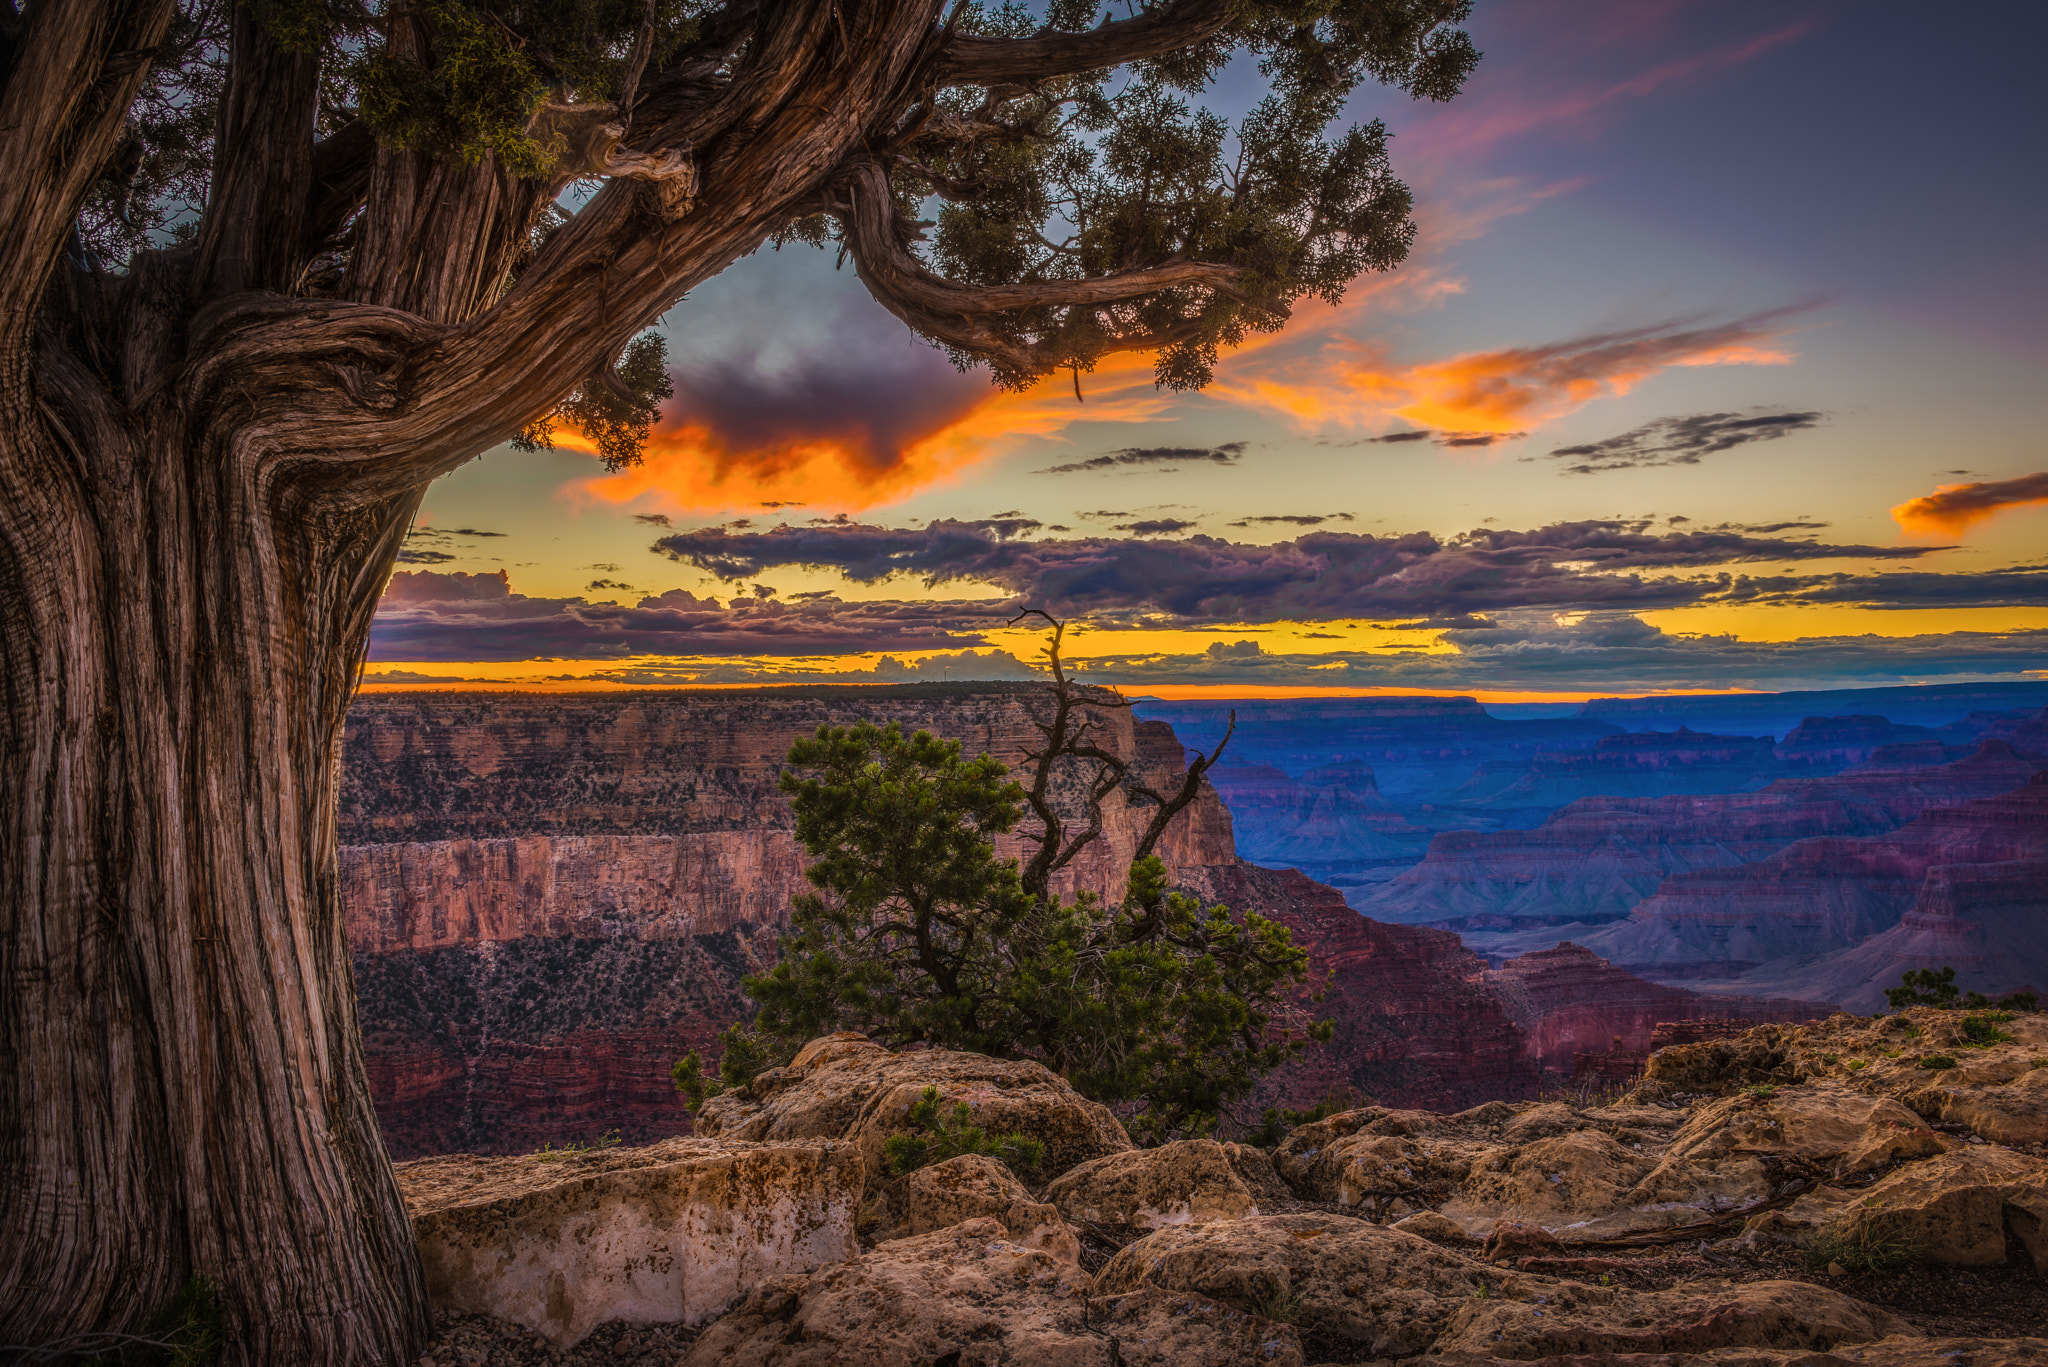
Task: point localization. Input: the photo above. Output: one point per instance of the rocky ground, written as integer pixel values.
(1850, 1193)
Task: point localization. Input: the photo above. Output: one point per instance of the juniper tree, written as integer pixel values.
(918, 932)
(271, 268)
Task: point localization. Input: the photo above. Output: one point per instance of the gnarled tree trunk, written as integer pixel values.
(183, 1088)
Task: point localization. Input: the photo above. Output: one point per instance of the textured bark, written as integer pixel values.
(206, 468)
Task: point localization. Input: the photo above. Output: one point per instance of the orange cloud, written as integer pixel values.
(836, 461)
(1511, 390)
(1953, 509)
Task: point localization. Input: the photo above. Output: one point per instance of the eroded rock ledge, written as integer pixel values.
(1675, 1227)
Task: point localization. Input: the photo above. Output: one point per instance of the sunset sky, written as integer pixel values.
(1719, 363)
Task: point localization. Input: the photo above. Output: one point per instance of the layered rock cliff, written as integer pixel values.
(1594, 860)
(552, 897)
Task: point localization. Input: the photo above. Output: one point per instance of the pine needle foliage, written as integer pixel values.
(917, 932)
(938, 1132)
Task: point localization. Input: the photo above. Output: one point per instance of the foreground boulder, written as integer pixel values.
(674, 1232)
(1958, 1209)
(845, 1086)
(1395, 1295)
(971, 1293)
(972, 1187)
(1190, 1181)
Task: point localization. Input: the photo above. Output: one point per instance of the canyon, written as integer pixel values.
(550, 897)
(1594, 860)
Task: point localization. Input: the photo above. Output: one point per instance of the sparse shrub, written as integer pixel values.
(746, 1056)
(918, 932)
(1279, 1120)
(1282, 1307)
(940, 1135)
(1867, 1246)
(1889, 1053)
(1981, 1031)
(1763, 1091)
(608, 1140)
(1933, 1062)
(1911, 1031)
(1858, 1064)
(1925, 987)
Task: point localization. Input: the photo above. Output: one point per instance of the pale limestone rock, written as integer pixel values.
(1959, 1206)
(1561, 1184)
(970, 1295)
(1543, 1319)
(973, 1187)
(1155, 1328)
(1428, 1224)
(1191, 1181)
(2007, 1105)
(675, 1231)
(1389, 1291)
(846, 1087)
(1736, 1152)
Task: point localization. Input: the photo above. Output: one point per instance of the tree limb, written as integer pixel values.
(76, 71)
(953, 313)
(970, 60)
(262, 167)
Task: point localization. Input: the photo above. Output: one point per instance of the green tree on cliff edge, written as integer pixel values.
(271, 267)
(919, 933)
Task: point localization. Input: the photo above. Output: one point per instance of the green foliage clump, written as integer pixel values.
(1282, 1307)
(1762, 1091)
(616, 408)
(1278, 1121)
(919, 933)
(1981, 1031)
(937, 1134)
(549, 1151)
(1924, 987)
(746, 1056)
(1870, 1244)
(462, 80)
(1937, 988)
(1857, 1064)
(1934, 1062)
(187, 1332)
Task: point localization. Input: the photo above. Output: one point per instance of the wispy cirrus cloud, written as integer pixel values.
(1953, 509)
(1480, 397)
(1229, 453)
(1679, 441)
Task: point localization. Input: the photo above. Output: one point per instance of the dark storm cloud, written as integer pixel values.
(431, 616)
(1316, 576)
(869, 395)
(1229, 453)
(1157, 526)
(1680, 441)
(1294, 519)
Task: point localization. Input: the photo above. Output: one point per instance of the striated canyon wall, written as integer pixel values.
(552, 897)
(1595, 860)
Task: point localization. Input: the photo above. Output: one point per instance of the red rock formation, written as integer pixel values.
(1416, 1024)
(1569, 1000)
(1976, 880)
(1594, 860)
(1331, 817)
(1819, 897)
(605, 870)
